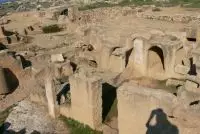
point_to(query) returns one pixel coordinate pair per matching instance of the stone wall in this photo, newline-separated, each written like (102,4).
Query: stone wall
(182,18)
(113,59)
(135,105)
(163,47)
(145,110)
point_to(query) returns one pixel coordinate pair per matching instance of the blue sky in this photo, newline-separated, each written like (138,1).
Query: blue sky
(2,1)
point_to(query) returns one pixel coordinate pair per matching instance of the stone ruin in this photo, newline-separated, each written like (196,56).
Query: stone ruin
(154,77)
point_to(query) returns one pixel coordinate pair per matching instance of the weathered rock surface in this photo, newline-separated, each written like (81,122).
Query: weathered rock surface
(174,82)
(32,117)
(57,58)
(182,69)
(191,86)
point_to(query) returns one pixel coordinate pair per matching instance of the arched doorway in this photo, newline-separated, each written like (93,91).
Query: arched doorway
(155,61)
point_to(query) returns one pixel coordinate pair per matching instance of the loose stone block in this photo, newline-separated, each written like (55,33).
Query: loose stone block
(174,82)
(186,62)
(191,32)
(19,61)
(117,63)
(57,58)
(181,69)
(190,85)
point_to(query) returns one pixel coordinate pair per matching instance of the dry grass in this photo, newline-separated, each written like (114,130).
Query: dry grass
(78,128)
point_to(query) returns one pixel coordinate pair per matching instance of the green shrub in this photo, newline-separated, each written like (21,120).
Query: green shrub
(51,28)
(78,128)
(156,9)
(185,3)
(95,5)
(136,2)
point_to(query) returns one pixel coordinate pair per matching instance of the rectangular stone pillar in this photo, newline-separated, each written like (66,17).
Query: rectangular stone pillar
(104,59)
(3,84)
(117,63)
(1,33)
(51,96)
(86,101)
(139,56)
(169,62)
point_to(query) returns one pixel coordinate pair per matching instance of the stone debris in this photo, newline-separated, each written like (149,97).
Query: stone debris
(174,82)
(57,58)
(191,86)
(182,69)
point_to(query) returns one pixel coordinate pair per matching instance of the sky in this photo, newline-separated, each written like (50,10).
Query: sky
(2,1)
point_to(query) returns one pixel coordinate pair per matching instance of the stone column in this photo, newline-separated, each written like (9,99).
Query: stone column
(3,84)
(86,100)
(104,60)
(140,56)
(1,33)
(51,96)
(169,62)
(117,63)
(19,61)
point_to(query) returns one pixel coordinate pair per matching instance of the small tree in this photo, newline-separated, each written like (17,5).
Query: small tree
(51,28)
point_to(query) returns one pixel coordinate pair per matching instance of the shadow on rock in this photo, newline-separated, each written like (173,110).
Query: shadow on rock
(162,125)
(6,130)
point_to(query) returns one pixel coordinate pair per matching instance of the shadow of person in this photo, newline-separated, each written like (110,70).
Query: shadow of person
(35,132)
(162,125)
